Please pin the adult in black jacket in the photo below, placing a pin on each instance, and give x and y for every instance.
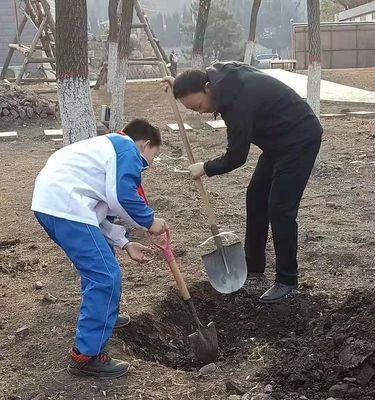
(261, 110)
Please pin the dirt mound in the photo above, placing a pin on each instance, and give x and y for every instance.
(337, 347)
(312, 347)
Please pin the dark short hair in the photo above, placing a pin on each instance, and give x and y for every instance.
(188, 82)
(141, 129)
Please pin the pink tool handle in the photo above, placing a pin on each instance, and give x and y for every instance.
(167, 249)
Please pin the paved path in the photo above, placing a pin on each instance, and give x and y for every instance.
(330, 91)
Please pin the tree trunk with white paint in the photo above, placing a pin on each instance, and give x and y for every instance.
(250, 45)
(197, 60)
(313, 86)
(117, 119)
(112, 65)
(314, 70)
(249, 52)
(76, 111)
(112, 44)
(73, 86)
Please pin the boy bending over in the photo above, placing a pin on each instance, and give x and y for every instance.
(77, 194)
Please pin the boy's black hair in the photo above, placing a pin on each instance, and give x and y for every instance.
(141, 129)
(188, 82)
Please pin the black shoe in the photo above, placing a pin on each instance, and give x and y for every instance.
(101, 366)
(122, 321)
(277, 292)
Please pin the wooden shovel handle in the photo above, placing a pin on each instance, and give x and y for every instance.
(179, 280)
(202, 191)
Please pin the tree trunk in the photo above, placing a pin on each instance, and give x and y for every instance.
(197, 61)
(112, 65)
(112, 43)
(73, 86)
(200, 31)
(123, 53)
(314, 70)
(250, 45)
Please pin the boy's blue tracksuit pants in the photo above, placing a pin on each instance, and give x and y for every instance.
(89, 251)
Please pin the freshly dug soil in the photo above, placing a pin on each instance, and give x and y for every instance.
(321, 337)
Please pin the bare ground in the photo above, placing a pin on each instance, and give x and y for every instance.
(319, 337)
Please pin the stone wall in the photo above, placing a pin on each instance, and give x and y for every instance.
(19, 103)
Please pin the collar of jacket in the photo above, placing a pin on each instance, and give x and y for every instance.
(226, 83)
(144, 161)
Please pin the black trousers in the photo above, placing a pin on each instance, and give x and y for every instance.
(274, 195)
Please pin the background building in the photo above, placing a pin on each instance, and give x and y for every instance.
(363, 13)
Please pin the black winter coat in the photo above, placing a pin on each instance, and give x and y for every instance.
(258, 109)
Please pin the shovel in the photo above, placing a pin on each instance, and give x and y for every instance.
(204, 340)
(226, 266)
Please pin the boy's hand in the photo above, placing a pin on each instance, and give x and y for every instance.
(158, 227)
(169, 80)
(197, 170)
(138, 252)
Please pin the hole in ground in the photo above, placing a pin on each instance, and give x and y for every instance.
(162, 335)
(242, 324)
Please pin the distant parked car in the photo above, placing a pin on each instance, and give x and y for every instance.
(264, 60)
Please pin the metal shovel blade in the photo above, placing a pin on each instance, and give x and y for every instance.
(230, 276)
(204, 343)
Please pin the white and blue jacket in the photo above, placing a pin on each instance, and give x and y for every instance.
(93, 179)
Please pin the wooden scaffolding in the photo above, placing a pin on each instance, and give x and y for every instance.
(42, 49)
(38, 12)
(160, 56)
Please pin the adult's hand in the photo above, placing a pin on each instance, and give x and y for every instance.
(197, 170)
(168, 82)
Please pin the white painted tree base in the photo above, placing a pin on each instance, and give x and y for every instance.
(197, 61)
(112, 65)
(314, 76)
(117, 120)
(249, 52)
(76, 111)
(313, 87)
